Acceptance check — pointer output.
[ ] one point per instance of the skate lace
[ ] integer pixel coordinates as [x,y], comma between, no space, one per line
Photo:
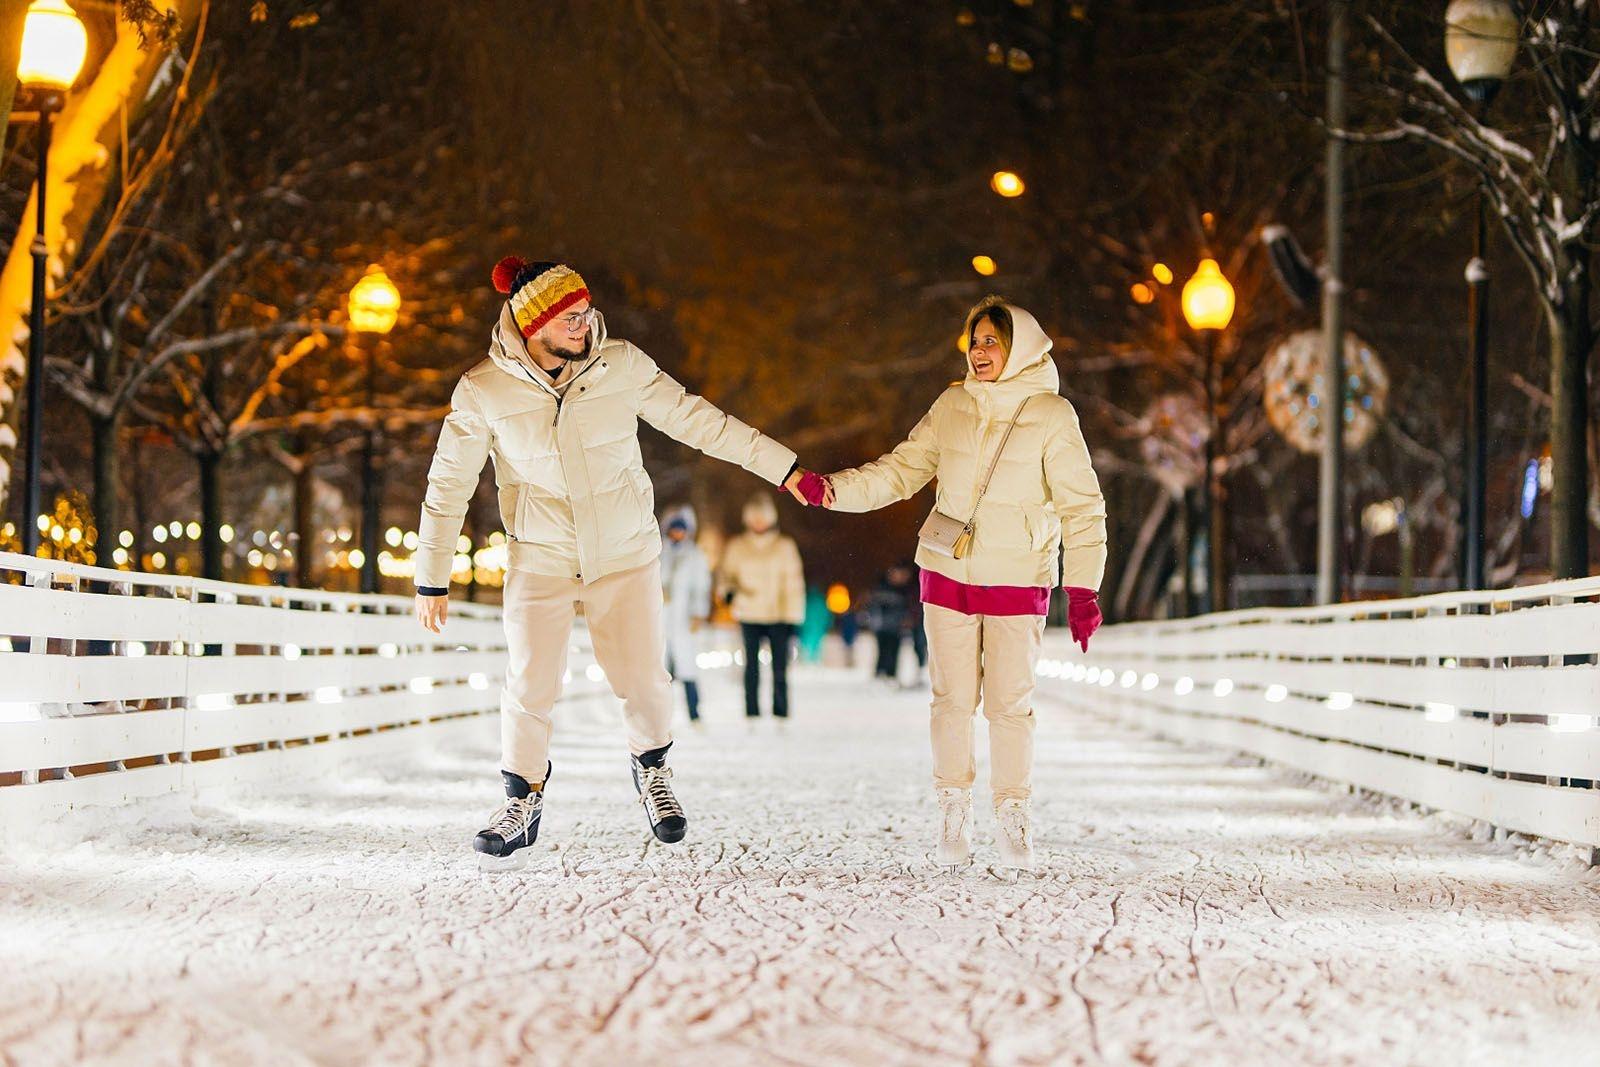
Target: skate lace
[1013,820]
[514,818]
[955,810]
[655,793]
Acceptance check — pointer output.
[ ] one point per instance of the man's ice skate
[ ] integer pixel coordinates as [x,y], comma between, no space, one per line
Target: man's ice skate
[955,828]
[504,844]
[653,779]
[1014,836]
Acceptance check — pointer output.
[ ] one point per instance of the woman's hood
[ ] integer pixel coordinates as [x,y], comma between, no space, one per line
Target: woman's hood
[1029,361]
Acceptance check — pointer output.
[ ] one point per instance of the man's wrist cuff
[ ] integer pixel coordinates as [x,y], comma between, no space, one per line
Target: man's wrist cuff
[432,590]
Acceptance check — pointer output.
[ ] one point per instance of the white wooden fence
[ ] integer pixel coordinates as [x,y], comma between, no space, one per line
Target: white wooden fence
[117,685]
[1483,704]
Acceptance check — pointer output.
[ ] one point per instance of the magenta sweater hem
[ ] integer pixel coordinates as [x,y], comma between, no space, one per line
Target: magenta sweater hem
[944,592]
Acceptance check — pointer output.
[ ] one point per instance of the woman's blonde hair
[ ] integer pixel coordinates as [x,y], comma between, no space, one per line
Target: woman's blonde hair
[994,309]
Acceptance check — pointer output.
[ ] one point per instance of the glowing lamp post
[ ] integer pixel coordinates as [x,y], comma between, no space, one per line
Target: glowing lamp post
[1208,303]
[374,307]
[54,44]
[1480,42]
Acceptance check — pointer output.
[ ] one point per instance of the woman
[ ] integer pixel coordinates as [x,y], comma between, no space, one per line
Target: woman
[984,606]
[686,592]
[762,580]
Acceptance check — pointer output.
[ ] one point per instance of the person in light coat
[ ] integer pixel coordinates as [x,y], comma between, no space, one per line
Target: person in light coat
[1041,524]
[686,587]
[761,579]
[556,405]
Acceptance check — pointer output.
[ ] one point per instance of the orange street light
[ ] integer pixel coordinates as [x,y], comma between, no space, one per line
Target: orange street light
[1008,184]
[54,44]
[374,302]
[1208,298]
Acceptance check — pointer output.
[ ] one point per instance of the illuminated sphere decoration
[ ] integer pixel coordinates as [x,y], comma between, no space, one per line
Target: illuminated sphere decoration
[1297,402]
[1174,440]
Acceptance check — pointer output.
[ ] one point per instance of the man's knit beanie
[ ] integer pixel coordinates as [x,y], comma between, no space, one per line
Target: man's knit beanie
[538,292]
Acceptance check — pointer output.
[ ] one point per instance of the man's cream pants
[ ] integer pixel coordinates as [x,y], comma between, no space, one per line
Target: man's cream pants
[989,658]
[624,615]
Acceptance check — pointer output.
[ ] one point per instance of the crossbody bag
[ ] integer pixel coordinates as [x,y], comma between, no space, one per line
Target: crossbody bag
[946,536]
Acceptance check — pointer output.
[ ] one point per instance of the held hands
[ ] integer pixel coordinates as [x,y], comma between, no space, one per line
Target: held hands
[810,488]
[432,611]
[1083,614]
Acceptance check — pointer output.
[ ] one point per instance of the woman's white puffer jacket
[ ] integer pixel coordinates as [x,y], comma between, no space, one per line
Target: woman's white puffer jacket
[1044,495]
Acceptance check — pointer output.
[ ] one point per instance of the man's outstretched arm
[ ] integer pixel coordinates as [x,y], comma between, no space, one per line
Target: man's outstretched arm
[700,424]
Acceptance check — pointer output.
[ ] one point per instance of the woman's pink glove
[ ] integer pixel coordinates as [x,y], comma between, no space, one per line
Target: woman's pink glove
[814,487]
[1083,614]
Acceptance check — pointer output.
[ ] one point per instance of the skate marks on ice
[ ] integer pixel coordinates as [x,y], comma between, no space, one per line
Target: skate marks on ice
[1188,909]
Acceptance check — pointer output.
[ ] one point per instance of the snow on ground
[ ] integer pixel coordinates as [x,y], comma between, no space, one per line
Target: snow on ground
[1192,909]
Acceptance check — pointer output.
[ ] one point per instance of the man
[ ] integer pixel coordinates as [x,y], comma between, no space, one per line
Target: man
[557,404]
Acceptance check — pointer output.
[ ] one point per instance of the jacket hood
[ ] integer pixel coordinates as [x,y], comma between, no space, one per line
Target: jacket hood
[1028,364]
[683,512]
[510,354]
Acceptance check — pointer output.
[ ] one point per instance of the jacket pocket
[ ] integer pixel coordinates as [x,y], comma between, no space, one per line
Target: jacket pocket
[1042,529]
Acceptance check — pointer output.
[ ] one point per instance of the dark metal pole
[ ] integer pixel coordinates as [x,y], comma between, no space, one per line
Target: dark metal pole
[1213,594]
[1221,596]
[31,485]
[1330,495]
[1186,550]
[369,483]
[1478,403]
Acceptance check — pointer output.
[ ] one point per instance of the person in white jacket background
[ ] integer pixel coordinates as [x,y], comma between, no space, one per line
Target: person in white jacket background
[984,610]
[686,588]
[556,405]
[760,577]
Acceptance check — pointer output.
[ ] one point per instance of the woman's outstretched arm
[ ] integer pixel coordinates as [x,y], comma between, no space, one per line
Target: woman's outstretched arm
[893,476]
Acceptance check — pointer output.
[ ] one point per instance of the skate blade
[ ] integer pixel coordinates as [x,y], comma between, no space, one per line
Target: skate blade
[517,861]
[1011,875]
[946,867]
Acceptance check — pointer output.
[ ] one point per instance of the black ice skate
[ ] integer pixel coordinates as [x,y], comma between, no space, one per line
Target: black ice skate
[503,844]
[653,779]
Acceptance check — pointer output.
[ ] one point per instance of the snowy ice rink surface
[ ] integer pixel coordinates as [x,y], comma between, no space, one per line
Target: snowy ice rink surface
[1192,909]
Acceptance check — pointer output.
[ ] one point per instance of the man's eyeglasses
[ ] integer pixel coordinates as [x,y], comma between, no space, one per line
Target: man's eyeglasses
[577,321]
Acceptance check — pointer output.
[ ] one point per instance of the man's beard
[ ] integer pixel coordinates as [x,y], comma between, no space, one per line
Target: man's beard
[570,357]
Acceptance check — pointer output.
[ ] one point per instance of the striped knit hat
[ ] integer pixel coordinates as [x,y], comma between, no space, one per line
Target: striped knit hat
[538,291]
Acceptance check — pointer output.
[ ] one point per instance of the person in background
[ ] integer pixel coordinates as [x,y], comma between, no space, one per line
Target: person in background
[686,592]
[762,581]
[815,627]
[888,614]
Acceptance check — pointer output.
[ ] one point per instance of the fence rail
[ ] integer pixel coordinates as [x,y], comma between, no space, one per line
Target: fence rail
[117,685]
[1483,704]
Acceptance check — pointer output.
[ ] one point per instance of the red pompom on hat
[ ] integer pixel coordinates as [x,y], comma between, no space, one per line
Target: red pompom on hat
[505,272]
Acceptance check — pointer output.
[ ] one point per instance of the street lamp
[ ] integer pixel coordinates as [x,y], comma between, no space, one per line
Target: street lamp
[54,44]
[1208,303]
[1480,42]
[374,306]
[1008,184]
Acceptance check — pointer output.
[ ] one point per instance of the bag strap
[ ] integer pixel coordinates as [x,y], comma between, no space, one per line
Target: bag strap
[984,488]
